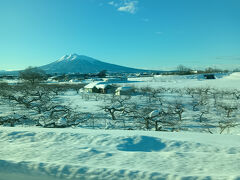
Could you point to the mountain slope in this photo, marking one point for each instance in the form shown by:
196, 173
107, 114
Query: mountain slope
75, 63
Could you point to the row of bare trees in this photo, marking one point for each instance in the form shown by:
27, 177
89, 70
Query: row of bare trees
29, 101
172, 109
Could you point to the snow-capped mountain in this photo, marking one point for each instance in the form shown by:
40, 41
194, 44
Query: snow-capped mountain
75, 63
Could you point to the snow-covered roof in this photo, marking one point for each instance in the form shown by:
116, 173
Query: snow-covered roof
91, 85
99, 85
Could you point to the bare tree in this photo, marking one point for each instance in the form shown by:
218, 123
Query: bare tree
33, 75
183, 69
117, 104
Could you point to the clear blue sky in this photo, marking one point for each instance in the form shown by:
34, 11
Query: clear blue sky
158, 34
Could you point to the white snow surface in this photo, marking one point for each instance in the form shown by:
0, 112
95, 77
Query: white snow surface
50, 154
222, 81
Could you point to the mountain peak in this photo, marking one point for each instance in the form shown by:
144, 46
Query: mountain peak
76, 57
70, 57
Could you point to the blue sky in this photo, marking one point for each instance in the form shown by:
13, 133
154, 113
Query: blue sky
153, 34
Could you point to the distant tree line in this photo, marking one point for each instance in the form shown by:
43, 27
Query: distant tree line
183, 70
35, 75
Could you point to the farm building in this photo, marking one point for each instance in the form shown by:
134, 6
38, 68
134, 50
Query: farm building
100, 87
124, 91
91, 87
106, 88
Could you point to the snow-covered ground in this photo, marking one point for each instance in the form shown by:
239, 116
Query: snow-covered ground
222, 81
34, 153
37, 153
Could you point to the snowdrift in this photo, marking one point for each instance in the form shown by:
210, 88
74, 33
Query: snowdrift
234, 76
54, 154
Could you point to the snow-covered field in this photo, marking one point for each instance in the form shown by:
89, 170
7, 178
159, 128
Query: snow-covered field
35, 153
222, 81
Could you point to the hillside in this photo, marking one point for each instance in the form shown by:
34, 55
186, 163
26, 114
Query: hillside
75, 63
